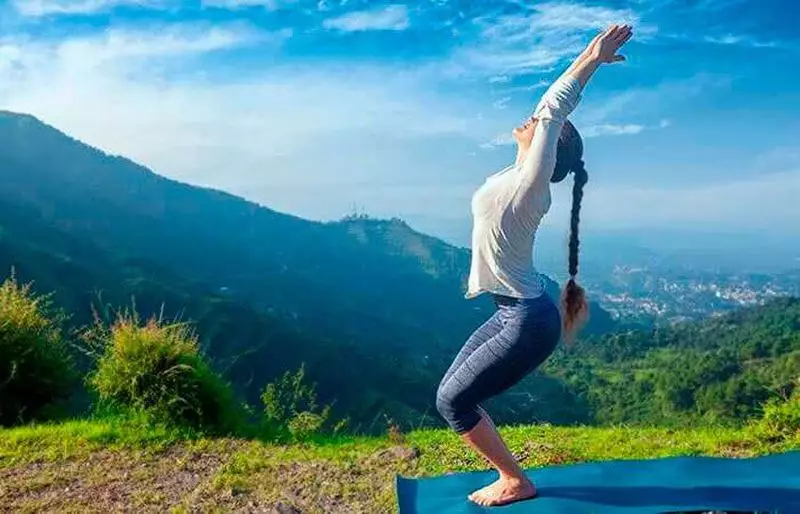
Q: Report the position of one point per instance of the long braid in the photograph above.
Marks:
(574, 305)
(581, 177)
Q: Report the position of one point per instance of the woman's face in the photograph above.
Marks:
(523, 134)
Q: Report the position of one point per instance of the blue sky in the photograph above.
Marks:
(402, 109)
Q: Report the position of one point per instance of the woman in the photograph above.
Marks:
(527, 325)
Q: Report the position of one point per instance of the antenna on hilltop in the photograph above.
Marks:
(358, 212)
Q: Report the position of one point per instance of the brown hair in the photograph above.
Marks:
(574, 307)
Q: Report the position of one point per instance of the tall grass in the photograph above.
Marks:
(36, 371)
(781, 418)
(157, 368)
(291, 412)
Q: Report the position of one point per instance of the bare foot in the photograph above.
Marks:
(503, 492)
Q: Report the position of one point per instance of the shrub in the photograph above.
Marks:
(291, 410)
(157, 368)
(781, 418)
(36, 370)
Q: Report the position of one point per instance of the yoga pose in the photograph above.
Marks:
(527, 325)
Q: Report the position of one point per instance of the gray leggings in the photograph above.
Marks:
(520, 335)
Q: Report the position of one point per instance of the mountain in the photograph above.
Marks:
(375, 308)
(345, 277)
(249, 347)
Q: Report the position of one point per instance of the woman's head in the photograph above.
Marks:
(569, 156)
(570, 146)
(523, 134)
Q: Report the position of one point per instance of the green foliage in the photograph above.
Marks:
(718, 371)
(291, 410)
(157, 369)
(36, 370)
(781, 418)
(306, 424)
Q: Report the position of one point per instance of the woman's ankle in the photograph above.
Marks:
(515, 478)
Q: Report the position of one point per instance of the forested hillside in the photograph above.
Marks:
(718, 370)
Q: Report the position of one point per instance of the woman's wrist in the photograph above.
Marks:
(585, 68)
(591, 56)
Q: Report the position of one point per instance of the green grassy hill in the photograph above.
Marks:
(98, 466)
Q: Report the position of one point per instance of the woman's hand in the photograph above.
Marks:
(604, 46)
(603, 49)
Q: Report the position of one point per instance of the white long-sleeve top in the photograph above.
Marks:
(509, 206)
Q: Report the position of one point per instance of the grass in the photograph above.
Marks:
(78, 439)
(36, 370)
(95, 465)
(158, 367)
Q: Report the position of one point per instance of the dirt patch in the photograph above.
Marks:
(543, 454)
(230, 476)
(255, 482)
(393, 455)
(298, 487)
(108, 481)
(736, 449)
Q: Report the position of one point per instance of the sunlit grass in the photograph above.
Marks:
(327, 473)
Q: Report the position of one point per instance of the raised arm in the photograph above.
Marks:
(602, 50)
(560, 99)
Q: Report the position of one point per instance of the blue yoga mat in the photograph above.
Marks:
(678, 484)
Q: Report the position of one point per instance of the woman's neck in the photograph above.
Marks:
(521, 152)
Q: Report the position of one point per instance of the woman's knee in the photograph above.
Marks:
(444, 404)
(462, 416)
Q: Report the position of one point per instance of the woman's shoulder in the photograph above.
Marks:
(503, 171)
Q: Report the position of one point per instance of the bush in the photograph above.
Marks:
(291, 410)
(157, 369)
(36, 371)
(781, 418)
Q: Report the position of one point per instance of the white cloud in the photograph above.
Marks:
(499, 79)
(539, 84)
(166, 41)
(728, 39)
(740, 40)
(649, 100)
(270, 5)
(265, 134)
(34, 64)
(391, 17)
(501, 103)
(540, 36)
(610, 129)
(568, 16)
(701, 6)
(55, 7)
(614, 129)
